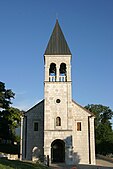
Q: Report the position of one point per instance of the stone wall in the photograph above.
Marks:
(33, 140)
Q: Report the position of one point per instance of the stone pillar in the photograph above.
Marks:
(92, 141)
(46, 73)
(68, 72)
(57, 74)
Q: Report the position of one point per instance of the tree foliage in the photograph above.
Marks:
(103, 128)
(9, 116)
(5, 96)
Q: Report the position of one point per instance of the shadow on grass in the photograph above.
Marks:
(21, 165)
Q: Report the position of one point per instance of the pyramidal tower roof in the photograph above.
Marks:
(57, 44)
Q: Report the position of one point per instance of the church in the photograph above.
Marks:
(58, 128)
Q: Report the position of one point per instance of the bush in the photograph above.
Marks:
(9, 149)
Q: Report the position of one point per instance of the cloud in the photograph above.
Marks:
(20, 93)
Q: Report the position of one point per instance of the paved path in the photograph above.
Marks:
(100, 164)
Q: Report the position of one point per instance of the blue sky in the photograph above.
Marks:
(25, 29)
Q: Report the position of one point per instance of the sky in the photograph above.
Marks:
(25, 29)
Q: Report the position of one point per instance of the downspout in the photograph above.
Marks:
(21, 137)
(25, 136)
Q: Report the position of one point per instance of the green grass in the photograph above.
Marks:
(5, 167)
(14, 164)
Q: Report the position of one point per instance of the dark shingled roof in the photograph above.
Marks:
(57, 44)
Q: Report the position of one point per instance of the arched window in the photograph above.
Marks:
(52, 72)
(58, 121)
(62, 73)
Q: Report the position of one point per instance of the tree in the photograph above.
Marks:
(103, 128)
(9, 116)
(10, 120)
(5, 96)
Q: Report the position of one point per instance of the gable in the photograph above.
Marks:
(36, 111)
(81, 111)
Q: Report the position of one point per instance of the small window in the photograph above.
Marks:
(35, 126)
(58, 101)
(58, 121)
(78, 126)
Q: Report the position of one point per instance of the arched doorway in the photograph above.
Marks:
(57, 151)
(35, 152)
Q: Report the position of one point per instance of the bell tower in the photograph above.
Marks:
(57, 88)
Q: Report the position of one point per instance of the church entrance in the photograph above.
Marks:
(57, 151)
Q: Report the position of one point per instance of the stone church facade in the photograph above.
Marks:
(58, 127)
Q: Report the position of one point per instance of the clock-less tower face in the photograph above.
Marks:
(57, 90)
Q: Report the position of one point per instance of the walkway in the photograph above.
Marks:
(100, 164)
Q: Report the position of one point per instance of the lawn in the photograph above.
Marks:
(14, 164)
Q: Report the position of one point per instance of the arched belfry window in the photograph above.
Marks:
(62, 73)
(58, 121)
(52, 72)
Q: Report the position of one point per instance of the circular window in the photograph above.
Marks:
(58, 101)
